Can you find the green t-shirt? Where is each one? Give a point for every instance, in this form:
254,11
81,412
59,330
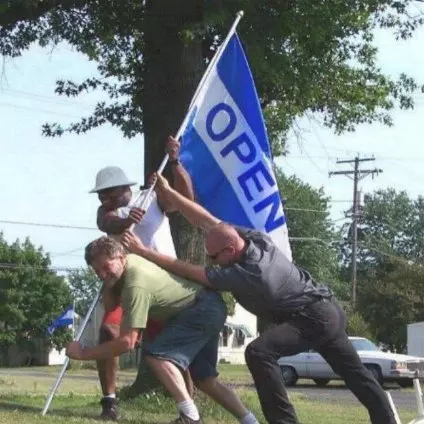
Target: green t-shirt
148,290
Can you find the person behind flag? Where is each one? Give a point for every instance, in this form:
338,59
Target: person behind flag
115,214
194,317
248,264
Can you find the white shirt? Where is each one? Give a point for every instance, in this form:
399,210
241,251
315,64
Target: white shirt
153,230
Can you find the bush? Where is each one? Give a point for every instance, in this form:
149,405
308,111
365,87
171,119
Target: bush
357,326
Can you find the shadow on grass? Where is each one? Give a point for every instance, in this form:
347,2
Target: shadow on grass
59,412
10,406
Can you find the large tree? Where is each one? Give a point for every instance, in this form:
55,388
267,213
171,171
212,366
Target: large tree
31,296
310,56
306,56
389,263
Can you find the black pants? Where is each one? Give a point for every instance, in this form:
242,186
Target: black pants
321,326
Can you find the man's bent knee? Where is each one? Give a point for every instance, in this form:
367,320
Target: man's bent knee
251,353
108,332
206,383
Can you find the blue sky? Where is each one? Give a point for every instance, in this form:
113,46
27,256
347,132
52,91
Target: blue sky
47,180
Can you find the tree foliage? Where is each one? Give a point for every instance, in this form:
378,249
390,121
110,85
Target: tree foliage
313,236
310,57
357,325
390,264
84,285
31,296
391,224
390,302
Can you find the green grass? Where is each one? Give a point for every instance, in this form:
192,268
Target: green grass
234,374
77,401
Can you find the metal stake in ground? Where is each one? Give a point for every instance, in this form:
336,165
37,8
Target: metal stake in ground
65,365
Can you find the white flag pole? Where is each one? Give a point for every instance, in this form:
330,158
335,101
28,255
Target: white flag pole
144,204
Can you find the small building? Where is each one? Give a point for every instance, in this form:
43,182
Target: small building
415,339
38,354
239,330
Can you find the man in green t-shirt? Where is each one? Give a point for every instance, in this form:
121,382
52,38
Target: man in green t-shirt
194,317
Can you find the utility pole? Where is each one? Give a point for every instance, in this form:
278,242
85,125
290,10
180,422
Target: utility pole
358,174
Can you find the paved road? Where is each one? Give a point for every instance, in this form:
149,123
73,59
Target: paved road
334,394
339,394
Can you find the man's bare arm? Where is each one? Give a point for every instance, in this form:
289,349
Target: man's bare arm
178,267
125,342
111,223
182,184
182,181
192,211
196,273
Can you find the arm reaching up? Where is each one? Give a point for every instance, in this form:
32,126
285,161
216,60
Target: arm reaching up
193,212
182,180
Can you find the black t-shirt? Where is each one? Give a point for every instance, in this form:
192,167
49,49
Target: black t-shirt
265,282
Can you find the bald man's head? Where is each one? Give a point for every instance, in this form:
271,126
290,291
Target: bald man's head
224,244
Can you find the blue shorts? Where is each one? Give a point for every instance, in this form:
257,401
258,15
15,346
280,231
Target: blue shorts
190,339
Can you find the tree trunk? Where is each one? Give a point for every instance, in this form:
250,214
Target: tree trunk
171,70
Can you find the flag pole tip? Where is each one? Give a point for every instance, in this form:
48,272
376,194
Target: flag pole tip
240,13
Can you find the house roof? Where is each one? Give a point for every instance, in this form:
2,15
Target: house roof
247,332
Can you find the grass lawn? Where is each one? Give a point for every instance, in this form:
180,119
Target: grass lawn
77,401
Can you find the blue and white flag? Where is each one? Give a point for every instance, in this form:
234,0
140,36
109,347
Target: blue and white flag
67,318
226,151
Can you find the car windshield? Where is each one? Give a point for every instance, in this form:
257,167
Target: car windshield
364,344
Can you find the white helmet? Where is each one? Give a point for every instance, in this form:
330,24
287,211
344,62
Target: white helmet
111,176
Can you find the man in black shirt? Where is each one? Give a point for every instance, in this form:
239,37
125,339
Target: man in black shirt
250,266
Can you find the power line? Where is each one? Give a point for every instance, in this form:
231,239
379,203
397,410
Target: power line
67,253
305,210
44,98
312,161
39,224
399,258
75,227
36,267
388,158
315,239
32,109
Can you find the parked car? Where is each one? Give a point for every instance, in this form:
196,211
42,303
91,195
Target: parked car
385,366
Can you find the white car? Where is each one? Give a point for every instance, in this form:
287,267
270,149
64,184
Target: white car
385,366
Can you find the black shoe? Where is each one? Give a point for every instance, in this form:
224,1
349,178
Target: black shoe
183,419
109,409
